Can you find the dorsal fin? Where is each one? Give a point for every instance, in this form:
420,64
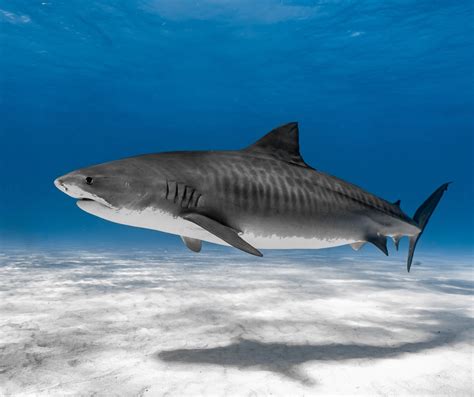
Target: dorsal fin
397,203
281,143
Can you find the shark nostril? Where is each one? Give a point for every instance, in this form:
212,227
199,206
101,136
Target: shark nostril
60,185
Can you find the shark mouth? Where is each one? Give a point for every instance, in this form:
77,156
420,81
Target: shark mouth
87,201
83,198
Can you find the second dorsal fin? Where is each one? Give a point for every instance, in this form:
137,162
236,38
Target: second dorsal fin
281,143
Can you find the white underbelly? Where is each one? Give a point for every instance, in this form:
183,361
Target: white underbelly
165,222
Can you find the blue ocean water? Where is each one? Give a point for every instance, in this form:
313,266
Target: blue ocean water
383,91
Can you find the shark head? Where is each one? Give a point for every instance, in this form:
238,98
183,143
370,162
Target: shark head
106,187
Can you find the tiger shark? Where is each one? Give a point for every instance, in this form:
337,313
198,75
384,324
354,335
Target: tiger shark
261,197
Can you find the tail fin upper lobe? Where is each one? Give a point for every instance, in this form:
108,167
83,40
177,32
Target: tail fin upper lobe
422,216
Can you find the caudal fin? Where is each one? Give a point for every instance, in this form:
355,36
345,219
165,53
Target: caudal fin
422,216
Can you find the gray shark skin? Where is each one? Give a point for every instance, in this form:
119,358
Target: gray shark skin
263,196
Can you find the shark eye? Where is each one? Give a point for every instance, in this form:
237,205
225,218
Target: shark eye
89,180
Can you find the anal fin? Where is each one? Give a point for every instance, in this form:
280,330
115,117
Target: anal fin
223,232
193,244
380,242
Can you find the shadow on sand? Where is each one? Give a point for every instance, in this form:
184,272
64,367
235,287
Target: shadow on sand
284,358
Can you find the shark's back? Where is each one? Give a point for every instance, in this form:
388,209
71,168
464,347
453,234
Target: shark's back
266,184
270,189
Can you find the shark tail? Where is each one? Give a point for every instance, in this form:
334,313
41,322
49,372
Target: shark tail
422,216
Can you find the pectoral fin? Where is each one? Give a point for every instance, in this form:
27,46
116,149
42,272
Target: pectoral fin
192,243
223,232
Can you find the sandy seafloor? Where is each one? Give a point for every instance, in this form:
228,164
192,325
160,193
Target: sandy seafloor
223,323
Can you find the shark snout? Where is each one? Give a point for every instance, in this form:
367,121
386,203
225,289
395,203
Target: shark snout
58,182
70,184
78,186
